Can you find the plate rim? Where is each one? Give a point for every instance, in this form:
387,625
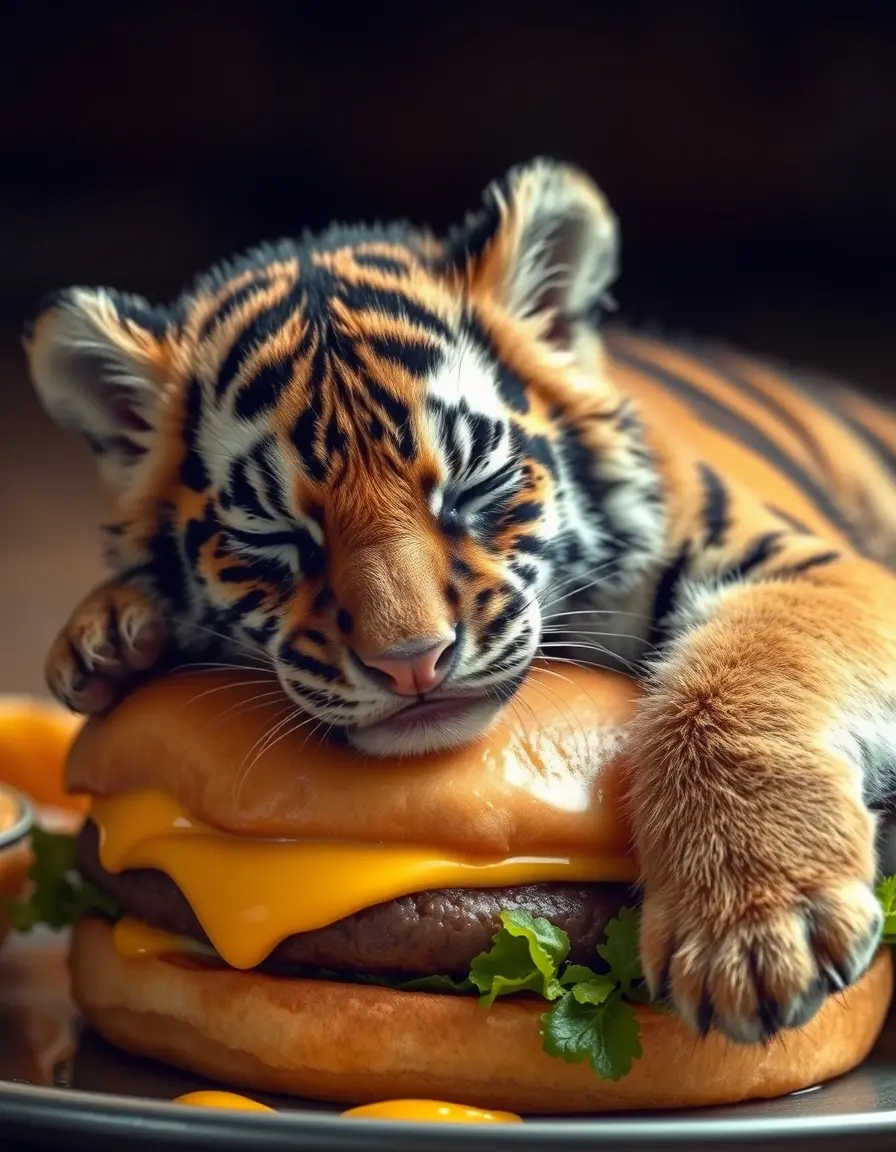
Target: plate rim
86,1111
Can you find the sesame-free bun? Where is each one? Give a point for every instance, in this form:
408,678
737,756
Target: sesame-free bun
352,1043
544,778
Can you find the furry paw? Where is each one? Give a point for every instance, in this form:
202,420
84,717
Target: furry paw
749,972
113,635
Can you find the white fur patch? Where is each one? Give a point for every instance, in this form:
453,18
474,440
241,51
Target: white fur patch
468,375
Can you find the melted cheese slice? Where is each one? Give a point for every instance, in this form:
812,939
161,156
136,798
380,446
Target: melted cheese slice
250,893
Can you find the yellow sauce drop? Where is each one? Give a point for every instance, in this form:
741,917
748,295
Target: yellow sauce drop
438,1111
222,1100
134,939
249,893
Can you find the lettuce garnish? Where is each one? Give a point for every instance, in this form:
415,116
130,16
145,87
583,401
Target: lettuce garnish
593,1017
59,894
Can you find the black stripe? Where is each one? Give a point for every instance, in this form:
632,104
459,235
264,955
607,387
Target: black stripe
483,597
495,485
382,263
302,663
716,507
241,492
248,603
415,356
193,472
665,597
730,423
524,513
509,654
198,532
366,298
167,566
397,411
512,390
461,568
236,574
451,442
529,544
496,627
880,448
817,561
528,573
262,391
790,521
480,436
265,633
759,552
728,372
257,329
229,305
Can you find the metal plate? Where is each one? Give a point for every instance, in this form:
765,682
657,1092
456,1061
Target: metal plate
61,1088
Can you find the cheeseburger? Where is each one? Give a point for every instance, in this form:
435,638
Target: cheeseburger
290,917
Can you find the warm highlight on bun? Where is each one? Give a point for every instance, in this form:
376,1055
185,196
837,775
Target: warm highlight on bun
544,778
351,1044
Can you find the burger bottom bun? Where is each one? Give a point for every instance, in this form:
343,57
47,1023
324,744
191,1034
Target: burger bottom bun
356,1043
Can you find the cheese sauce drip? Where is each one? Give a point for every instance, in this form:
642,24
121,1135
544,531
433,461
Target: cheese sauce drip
430,1110
249,893
426,1111
222,1100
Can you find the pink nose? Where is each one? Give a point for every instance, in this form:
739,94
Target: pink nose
416,666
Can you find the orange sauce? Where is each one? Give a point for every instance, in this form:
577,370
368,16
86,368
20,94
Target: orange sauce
222,1100
428,1111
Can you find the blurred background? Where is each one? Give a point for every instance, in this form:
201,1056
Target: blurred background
748,149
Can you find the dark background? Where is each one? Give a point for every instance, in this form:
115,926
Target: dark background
747,148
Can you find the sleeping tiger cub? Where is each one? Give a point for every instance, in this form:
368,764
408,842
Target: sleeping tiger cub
397,467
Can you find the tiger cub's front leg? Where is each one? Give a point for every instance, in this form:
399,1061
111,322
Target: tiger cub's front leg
764,729
114,634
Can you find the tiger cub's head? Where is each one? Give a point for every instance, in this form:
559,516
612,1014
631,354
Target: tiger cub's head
374,454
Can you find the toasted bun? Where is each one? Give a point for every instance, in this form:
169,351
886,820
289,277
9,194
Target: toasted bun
352,1043
544,777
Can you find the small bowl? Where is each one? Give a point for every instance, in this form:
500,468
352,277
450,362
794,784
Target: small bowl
16,822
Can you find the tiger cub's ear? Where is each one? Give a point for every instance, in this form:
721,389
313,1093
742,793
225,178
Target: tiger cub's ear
544,243
98,361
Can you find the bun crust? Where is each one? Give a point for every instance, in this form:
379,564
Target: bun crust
545,778
353,1044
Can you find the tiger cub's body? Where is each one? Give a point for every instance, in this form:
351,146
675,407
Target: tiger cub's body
398,467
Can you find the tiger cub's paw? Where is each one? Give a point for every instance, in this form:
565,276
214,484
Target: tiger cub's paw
749,971
115,633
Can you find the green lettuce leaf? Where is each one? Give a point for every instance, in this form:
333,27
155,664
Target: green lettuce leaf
591,1018
605,1032
886,894
620,952
59,894
525,956
437,983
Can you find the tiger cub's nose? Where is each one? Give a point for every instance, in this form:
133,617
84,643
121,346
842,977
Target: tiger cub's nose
415,666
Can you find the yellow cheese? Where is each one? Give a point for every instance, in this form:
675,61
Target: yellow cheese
249,894
136,940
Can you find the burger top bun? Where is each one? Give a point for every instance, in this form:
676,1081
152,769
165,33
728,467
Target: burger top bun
545,778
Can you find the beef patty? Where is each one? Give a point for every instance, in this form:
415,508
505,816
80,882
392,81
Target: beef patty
419,935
